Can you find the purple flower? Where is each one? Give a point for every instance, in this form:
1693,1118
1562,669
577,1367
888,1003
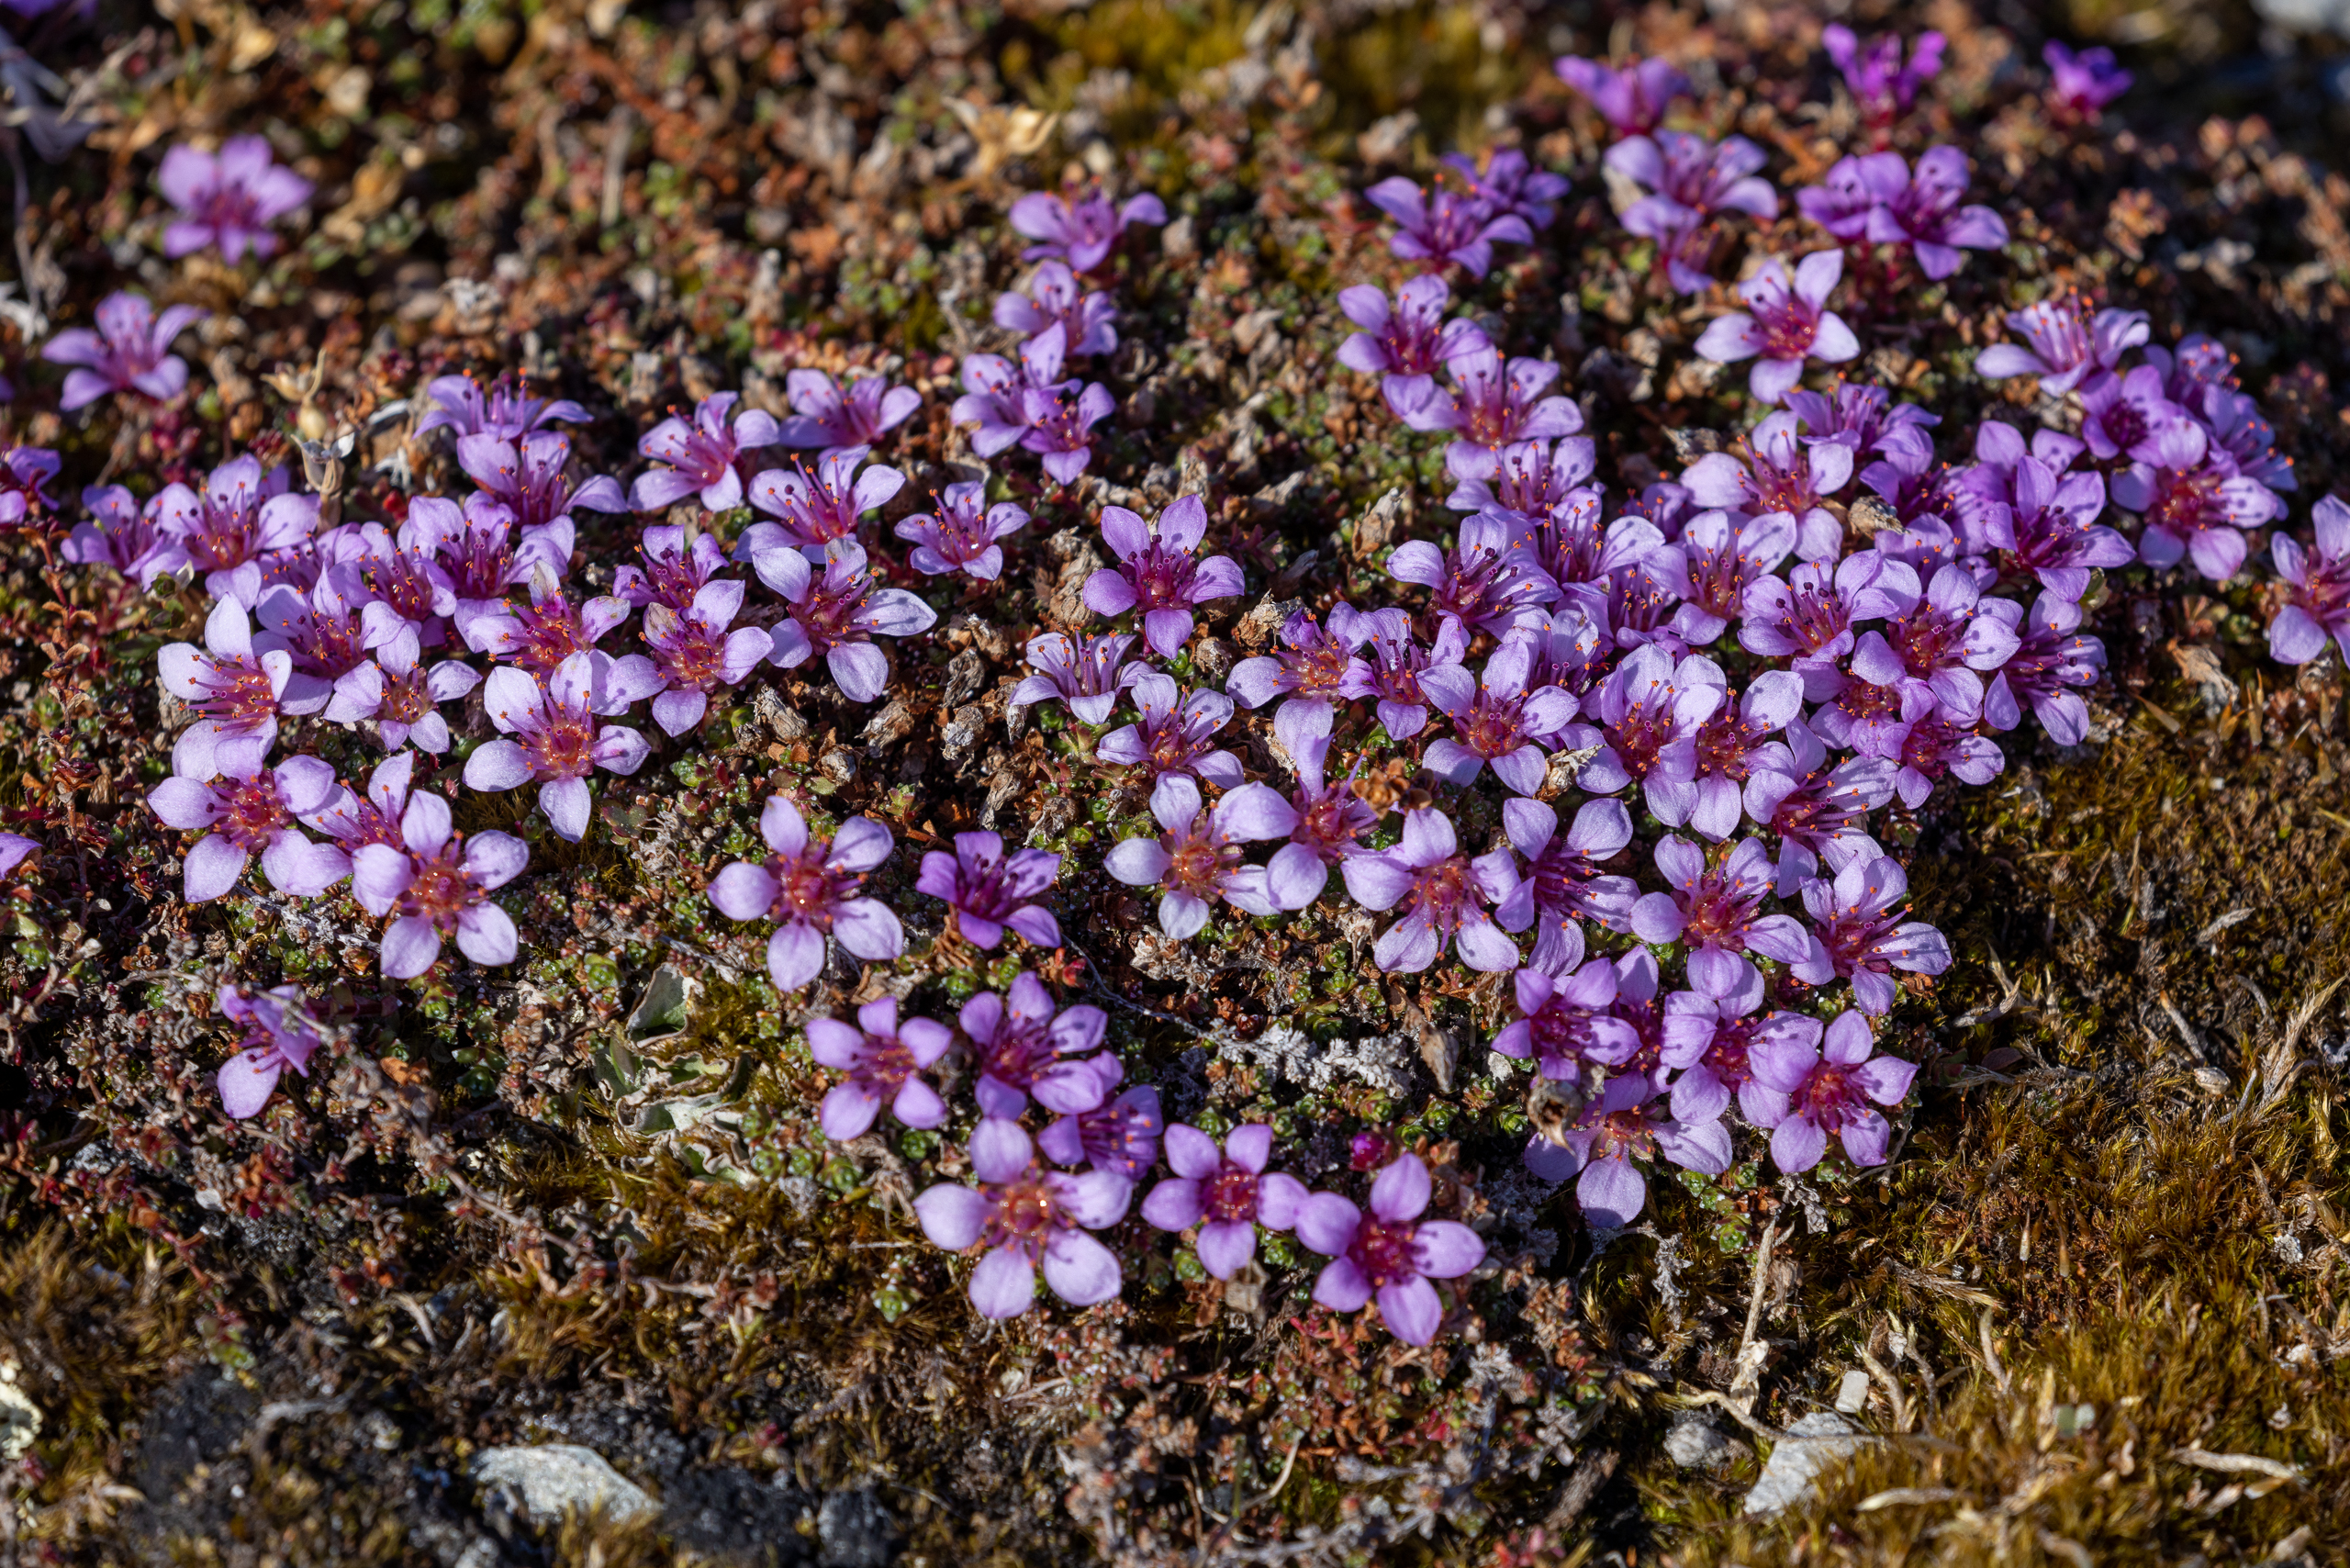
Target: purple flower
504,413
1563,884
995,390
251,812
989,891
1024,1216
2127,414
476,549
115,534
1816,811
674,570
238,532
1844,202
1485,582
838,615
1861,418
2068,346
884,1059
1331,818
530,476
1882,85
436,883
1087,674
2197,362
404,698
129,352
1814,1094
239,693
1716,909
1197,859
1120,1136
1632,100
1397,663
1510,185
2195,501
1808,617
2044,518
1223,1192
1622,1123
1721,557
1784,325
1405,345
1175,735
701,455
822,415
1497,402
540,635
1711,1033
695,655
960,537
1445,227
280,1032
1060,424
1089,321
2233,421
1780,476
1651,707
25,473
1710,795
818,507
1944,644
558,742
1932,748
1690,179
1315,666
354,820
1530,482
809,890
228,198
1081,233
2053,657
1444,894
2080,85
1857,920
319,628
1564,1015
1926,216
1496,719
1023,1045
2319,605
1391,1252
1155,576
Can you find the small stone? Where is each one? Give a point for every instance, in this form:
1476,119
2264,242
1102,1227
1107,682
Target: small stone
553,1477
1812,1442
839,764
1211,659
1852,1393
1697,1444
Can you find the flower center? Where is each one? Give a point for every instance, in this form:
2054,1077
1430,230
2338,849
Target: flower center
563,746
691,656
1726,1057
1386,1251
442,890
1718,916
403,583
1829,1098
551,633
882,1064
1495,725
1724,746
253,813
236,694
223,538
482,562
807,890
407,698
1444,895
1230,1195
1162,579
1197,864
1623,1135
1789,327
830,615
1024,1215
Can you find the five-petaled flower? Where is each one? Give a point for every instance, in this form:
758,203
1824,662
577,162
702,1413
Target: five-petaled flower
1197,859
884,1057
1632,100
245,810
436,883
962,534
1227,1193
989,891
1391,1253
1023,1044
1175,734
811,891
280,1032
1862,936
2319,605
696,654
1080,233
1809,1093
839,614
1445,895
556,740
1155,576
1783,324
1446,228
130,351
228,198
823,415
1024,1216
238,691
701,455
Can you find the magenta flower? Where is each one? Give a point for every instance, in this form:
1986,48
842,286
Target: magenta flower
1933,748
530,476
818,507
1485,582
1814,1093
1881,84
2196,502
1809,615
2319,605
1495,403
406,585
540,635
1716,909
809,890
238,691
1632,100
1444,894
1621,1124
1784,325
476,549
695,655
130,351
1862,419
2080,85
1815,811
249,812
1060,424
280,1032
1565,1017
1862,937
1496,719
1054,298
1313,666
1024,1216
1197,859
25,473
1331,818
1081,233
1926,216
1175,735
1573,652
1397,663
1446,229
822,415
1120,1136
2053,659
239,533
1391,1253
228,198
2026,504
1530,482
436,883
959,536
1650,709
701,455
884,1059
2233,421
1087,674
1023,1045
1226,1193
674,571
506,412
1944,645
556,744
1510,185
2068,346
989,891
1155,576
1709,795
1709,1035
403,697
1852,192
1563,882
1720,558
1778,476
353,820
321,628
839,614
116,533
1690,180
995,390
1404,345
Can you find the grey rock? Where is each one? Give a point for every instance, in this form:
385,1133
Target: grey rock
1697,1444
551,1477
1812,1442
